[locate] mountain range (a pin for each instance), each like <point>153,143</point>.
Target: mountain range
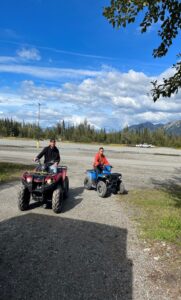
<point>173,128</point>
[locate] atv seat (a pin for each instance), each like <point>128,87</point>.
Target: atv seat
<point>60,168</point>
<point>116,174</point>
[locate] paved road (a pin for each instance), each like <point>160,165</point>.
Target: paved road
<point>91,250</point>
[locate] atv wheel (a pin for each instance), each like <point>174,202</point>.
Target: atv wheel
<point>101,189</point>
<point>66,187</point>
<point>57,200</point>
<point>87,183</point>
<point>121,188</point>
<point>23,198</point>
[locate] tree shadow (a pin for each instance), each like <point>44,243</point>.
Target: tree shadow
<point>171,186</point>
<point>60,258</point>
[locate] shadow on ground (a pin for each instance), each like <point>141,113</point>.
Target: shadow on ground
<point>73,199</point>
<point>171,186</point>
<point>60,258</point>
<point>8,185</point>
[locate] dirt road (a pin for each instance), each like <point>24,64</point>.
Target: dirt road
<point>89,251</point>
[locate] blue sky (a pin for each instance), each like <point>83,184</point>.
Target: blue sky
<point>66,56</point>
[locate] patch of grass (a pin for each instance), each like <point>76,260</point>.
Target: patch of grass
<point>157,213</point>
<point>11,171</point>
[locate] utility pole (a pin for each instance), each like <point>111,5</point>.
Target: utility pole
<point>39,115</point>
<point>38,135</point>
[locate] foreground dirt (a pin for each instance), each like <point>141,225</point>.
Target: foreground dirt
<point>91,250</point>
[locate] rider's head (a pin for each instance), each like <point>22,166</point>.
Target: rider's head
<point>101,150</point>
<point>52,143</point>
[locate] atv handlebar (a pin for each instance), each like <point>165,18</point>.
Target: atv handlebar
<point>38,161</point>
<point>107,167</point>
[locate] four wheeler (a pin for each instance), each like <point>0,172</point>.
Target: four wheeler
<point>105,182</point>
<point>44,186</point>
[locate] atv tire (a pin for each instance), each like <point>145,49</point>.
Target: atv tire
<point>23,198</point>
<point>66,188</point>
<point>121,188</point>
<point>101,189</point>
<point>87,183</point>
<point>57,200</point>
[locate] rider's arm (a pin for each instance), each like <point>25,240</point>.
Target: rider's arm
<point>56,162</point>
<point>106,161</point>
<point>96,160</point>
<point>41,153</point>
<point>58,157</point>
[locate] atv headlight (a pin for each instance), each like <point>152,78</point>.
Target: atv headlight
<point>49,181</point>
<point>28,179</point>
<point>120,177</point>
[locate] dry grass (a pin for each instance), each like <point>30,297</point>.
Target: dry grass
<point>12,171</point>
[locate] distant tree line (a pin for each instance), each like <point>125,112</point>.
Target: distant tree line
<point>86,133</point>
<point>11,128</point>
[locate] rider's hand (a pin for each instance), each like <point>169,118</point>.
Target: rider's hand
<point>35,159</point>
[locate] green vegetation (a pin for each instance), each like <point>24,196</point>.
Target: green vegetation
<point>11,128</point>
<point>158,213</point>
<point>11,171</point>
<point>167,15</point>
<point>84,133</point>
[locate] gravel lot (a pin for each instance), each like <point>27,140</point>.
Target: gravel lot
<point>91,250</point>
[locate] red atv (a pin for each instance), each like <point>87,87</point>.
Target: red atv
<point>44,187</point>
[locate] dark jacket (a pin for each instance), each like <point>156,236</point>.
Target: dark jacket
<point>50,154</point>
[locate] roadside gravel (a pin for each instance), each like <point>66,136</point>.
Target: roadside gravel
<point>89,251</point>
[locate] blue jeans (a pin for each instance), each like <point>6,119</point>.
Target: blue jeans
<point>98,170</point>
<point>52,169</point>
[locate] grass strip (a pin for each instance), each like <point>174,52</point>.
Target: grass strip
<point>158,213</point>
<point>12,171</point>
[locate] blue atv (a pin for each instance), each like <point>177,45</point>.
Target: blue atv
<point>105,182</point>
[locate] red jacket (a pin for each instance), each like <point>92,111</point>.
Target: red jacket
<point>100,160</point>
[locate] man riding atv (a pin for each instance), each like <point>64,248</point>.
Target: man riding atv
<point>102,179</point>
<point>100,161</point>
<point>51,156</point>
<point>48,185</point>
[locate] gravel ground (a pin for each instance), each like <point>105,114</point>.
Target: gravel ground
<point>91,250</point>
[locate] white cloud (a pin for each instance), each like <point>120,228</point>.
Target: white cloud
<point>22,56</point>
<point>75,53</point>
<point>29,54</point>
<point>125,101</point>
<point>9,33</point>
<point>106,98</point>
<point>7,59</point>
<point>47,73</point>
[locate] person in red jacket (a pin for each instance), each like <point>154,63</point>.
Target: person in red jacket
<point>100,161</point>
